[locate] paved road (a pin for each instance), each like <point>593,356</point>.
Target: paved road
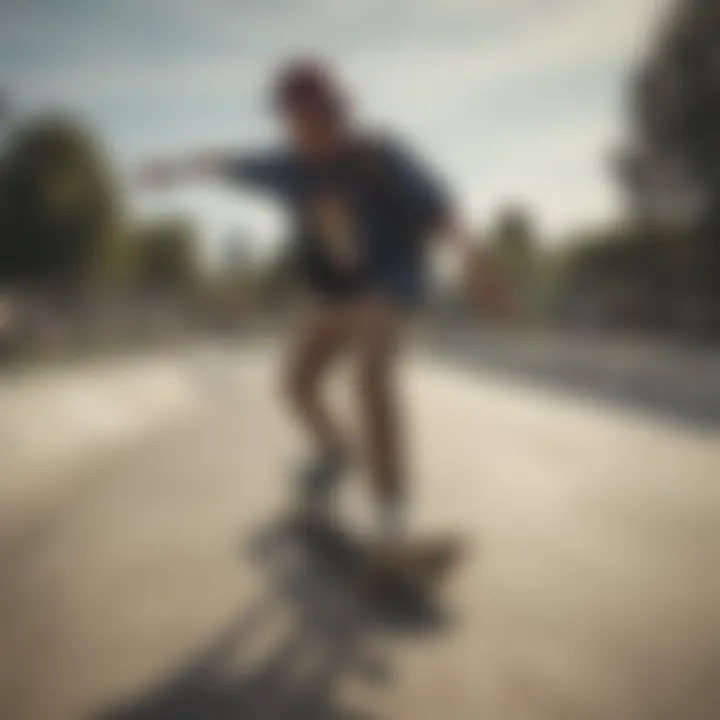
<point>655,374</point>
<point>155,585</point>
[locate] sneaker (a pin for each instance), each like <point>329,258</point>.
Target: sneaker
<point>417,564</point>
<point>317,483</point>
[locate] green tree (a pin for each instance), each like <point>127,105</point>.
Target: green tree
<point>672,168</point>
<point>165,255</point>
<point>57,204</point>
<point>514,250</point>
<point>514,230</point>
<point>626,274</point>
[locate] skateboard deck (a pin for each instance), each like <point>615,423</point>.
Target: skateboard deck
<point>417,566</point>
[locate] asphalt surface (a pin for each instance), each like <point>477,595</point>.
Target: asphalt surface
<point>157,584</point>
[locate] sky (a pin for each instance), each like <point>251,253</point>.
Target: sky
<point>511,100</point>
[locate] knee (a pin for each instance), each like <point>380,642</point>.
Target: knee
<point>297,387</point>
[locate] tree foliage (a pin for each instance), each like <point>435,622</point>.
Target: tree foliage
<point>164,255</point>
<point>677,104</point>
<point>673,168</point>
<point>514,231</point>
<point>57,206</point>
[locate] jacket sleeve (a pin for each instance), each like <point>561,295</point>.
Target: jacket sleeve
<point>264,171</point>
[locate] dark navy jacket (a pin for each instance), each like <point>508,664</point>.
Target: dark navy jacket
<point>393,205</point>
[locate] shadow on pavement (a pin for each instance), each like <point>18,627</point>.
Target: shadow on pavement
<point>331,637</point>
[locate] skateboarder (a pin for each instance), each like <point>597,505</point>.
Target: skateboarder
<point>364,210</point>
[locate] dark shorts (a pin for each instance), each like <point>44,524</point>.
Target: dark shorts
<point>400,279</point>
<point>402,286</point>
<point>328,282</point>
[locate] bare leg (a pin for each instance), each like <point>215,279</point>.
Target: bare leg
<point>393,558</point>
<point>378,325</point>
<point>321,340</point>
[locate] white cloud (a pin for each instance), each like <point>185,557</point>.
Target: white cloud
<point>426,71</point>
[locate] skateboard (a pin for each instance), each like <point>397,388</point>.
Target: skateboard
<point>417,566</point>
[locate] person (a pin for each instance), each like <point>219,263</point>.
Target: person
<point>364,210</point>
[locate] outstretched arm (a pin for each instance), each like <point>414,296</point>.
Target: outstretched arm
<point>267,170</point>
<point>162,172</point>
